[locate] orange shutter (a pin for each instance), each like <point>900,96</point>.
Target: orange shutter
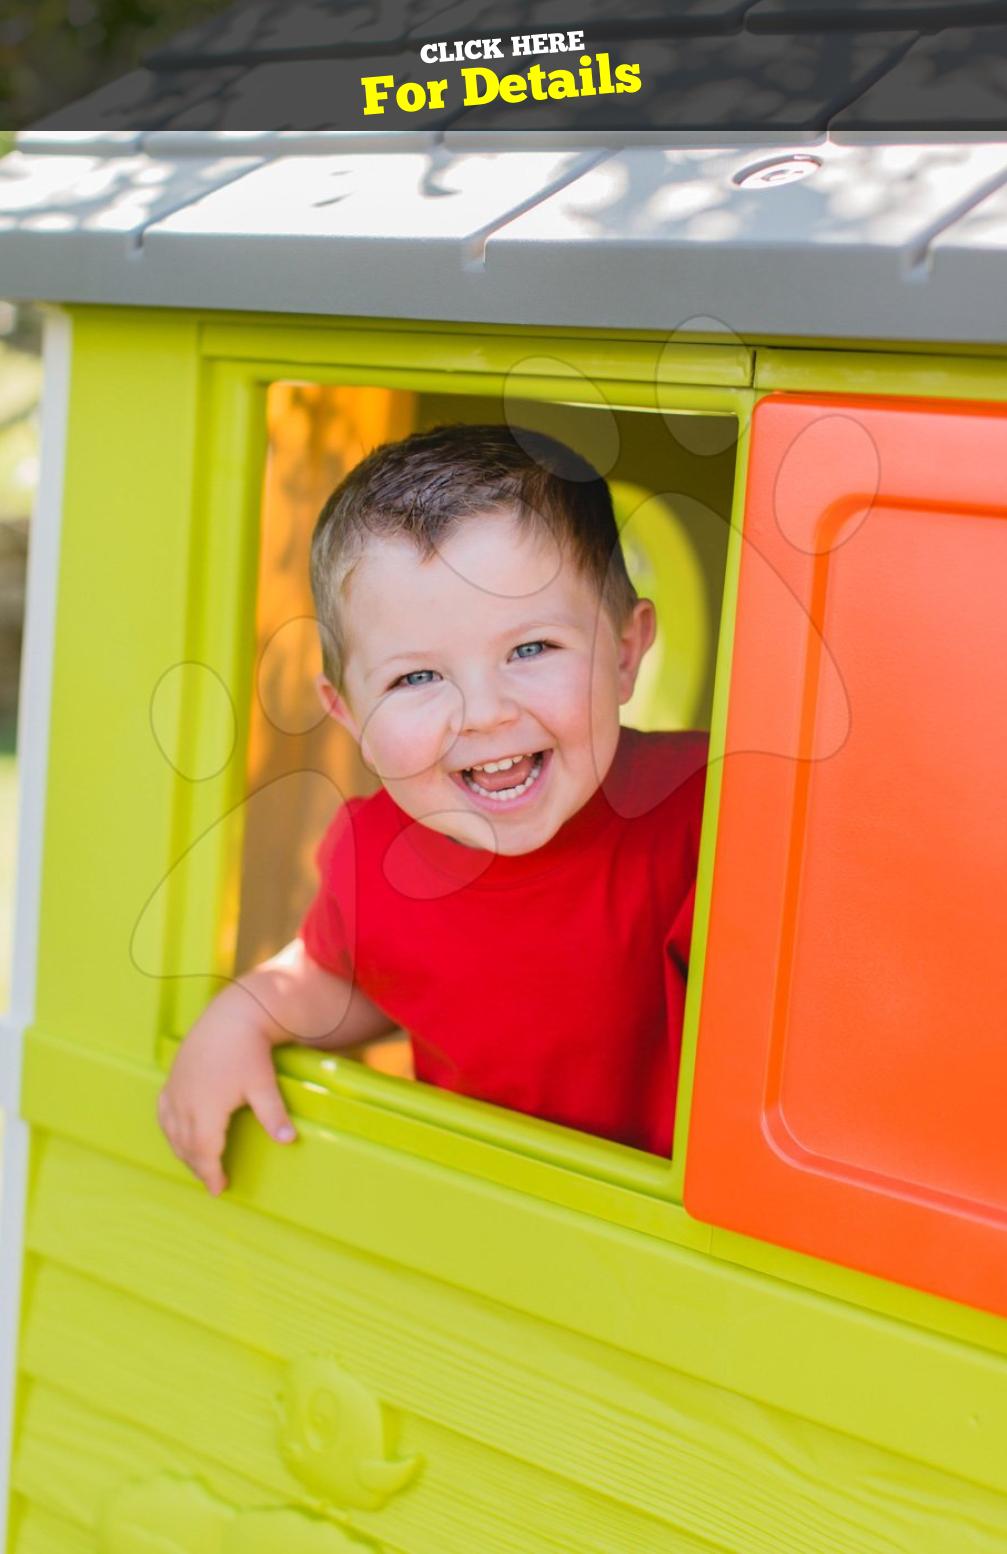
<point>851,1085</point>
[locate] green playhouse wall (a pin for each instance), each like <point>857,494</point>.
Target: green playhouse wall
<point>429,1327</point>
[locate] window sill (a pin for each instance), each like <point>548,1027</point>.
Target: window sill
<point>593,1176</point>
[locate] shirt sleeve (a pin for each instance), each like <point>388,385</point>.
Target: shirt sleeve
<point>328,929</point>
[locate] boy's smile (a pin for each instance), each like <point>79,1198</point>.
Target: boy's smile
<point>483,684</point>
<point>506,780</point>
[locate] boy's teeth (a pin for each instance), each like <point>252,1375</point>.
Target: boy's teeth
<point>503,793</point>
<point>498,766</point>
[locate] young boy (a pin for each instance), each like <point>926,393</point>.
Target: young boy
<point>518,894</point>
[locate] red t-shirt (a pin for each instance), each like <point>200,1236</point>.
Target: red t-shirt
<point>551,982</point>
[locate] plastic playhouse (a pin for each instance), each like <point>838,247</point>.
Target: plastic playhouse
<point>431,1326</point>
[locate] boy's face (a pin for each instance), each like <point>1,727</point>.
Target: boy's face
<point>496,649</point>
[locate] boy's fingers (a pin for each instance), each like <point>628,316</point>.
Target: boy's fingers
<point>166,1119</point>
<point>214,1179</point>
<point>267,1104</point>
<point>209,1170</point>
<point>203,1154</point>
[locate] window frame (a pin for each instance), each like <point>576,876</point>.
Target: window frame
<point>238,363</point>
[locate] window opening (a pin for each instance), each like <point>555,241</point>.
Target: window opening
<point>671,479</point>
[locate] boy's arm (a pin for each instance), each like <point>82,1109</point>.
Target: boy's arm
<point>226,1060</point>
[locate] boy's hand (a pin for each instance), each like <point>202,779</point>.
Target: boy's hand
<point>226,1060</point>
<point>222,1065</point>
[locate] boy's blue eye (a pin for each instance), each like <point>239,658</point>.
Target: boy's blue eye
<point>530,649</point>
<point>418,677</point>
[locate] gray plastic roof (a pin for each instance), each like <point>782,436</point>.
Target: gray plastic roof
<point>897,241</point>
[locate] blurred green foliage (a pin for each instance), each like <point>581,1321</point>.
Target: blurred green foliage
<point>54,51</point>
<point>8,836</point>
<point>20,382</point>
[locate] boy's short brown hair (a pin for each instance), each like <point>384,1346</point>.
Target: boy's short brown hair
<point>422,486</point>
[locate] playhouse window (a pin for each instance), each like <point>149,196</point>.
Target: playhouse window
<point>671,479</point>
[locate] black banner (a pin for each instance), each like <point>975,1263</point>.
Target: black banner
<point>783,66</point>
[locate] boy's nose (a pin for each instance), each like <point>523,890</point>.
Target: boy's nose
<point>486,705</point>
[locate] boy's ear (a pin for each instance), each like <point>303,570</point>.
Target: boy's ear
<point>336,705</point>
<point>636,637</point>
